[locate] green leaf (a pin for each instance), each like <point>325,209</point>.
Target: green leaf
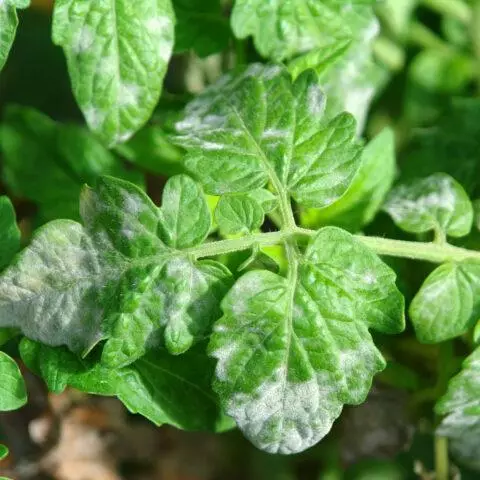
<point>3,451</point>
<point>117,54</point>
<point>238,214</point>
<point>200,27</point>
<point>8,26</point>
<point>9,232</point>
<point>461,407</point>
<point>448,304</point>
<point>366,194</point>
<point>451,146</point>
<point>159,386</point>
<point>397,15</point>
<point>291,352</point>
<point>266,199</point>
<point>281,29</point>
<point>114,279</point>
<point>184,217</point>
<point>150,149</point>
<point>13,393</point>
<point>256,127</point>
<point>437,203</point>
<point>67,156</point>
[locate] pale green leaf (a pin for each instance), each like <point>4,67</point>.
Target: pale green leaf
<point>9,232</point>
<point>117,54</point>
<point>437,203</point>
<point>185,218</point>
<point>291,352</point>
<point>238,214</point>
<point>461,408</point>
<point>67,156</point>
<point>13,393</point>
<point>256,127</point>
<point>265,198</point>
<point>448,304</point>
<point>366,194</point>
<point>113,279</point>
<point>159,386</point>
<point>201,27</point>
<point>282,29</point>
<point>8,26</point>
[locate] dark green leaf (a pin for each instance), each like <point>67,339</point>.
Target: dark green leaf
<point>201,26</point>
<point>9,232</point>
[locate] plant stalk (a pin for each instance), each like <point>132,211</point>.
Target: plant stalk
<point>450,8</point>
<point>429,252</point>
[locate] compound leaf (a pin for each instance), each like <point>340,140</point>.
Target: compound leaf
<point>256,127</point>
<point>9,232</point>
<point>8,26</point>
<point>117,54</point>
<point>159,386</point>
<point>461,407</point>
<point>291,352</point>
<point>13,393</point>
<point>437,203</point>
<point>236,214</point>
<point>448,304</point>
<point>113,279</point>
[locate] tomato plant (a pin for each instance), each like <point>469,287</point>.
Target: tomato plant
<point>246,239</point>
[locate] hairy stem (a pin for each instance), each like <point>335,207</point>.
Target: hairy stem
<point>429,252</point>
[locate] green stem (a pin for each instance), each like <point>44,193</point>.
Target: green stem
<point>389,53</point>
<point>422,36</point>
<point>451,8</point>
<point>441,458</point>
<point>429,252</point>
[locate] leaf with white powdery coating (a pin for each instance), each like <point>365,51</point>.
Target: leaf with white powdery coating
<point>448,304</point>
<point>256,127</point>
<point>8,25</point>
<point>114,279</point>
<point>117,54</point>
<point>437,202</point>
<point>13,393</point>
<point>291,352</point>
<point>282,29</point>
<point>461,408</point>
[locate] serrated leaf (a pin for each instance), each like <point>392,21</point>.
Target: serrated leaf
<point>238,214</point>
<point>291,352</point>
<point>13,393</point>
<point>437,203</point>
<point>266,199</point>
<point>117,54</point>
<point>257,127</point>
<point>8,26</point>
<point>159,386</point>
<point>9,232</point>
<point>461,407</point>
<point>366,194</point>
<point>283,29</point>
<point>448,303</point>
<point>113,279</point>
<point>67,156</point>
<point>200,27</point>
